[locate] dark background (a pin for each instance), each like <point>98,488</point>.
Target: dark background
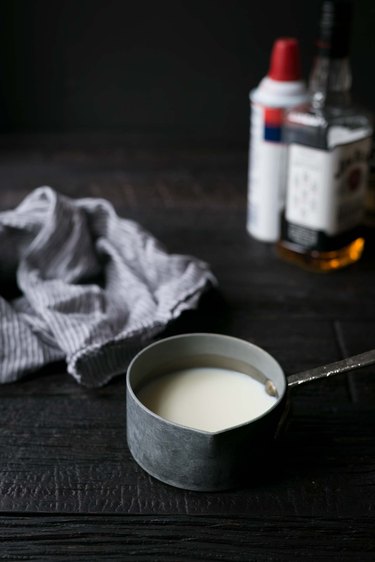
<point>181,67</point>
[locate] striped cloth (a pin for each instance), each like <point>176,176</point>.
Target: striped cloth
<point>94,288</point>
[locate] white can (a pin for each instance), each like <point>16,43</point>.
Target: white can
<point>279,91</point>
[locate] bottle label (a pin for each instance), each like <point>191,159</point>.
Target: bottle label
<point>325,194</point>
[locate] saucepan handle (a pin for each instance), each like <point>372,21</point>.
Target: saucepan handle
<point>337,368</point>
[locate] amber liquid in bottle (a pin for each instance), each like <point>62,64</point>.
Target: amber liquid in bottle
<point>329,148</point>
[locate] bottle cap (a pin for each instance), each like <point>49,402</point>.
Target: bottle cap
<point>334,28</point>
<point>285,63</point>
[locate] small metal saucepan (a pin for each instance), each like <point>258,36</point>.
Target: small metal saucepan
<point>211,461</point>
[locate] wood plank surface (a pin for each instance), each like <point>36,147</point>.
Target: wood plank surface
<point>185,538</point>
<point>69,489</point>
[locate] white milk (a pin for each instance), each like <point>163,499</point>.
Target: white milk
<point>206,398</point>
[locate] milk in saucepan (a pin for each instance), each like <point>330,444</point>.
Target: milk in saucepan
<point>206,398</point>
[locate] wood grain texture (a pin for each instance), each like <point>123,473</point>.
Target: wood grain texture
<point>67,453</point>
<point>184,538</point>
<point>69,489</point>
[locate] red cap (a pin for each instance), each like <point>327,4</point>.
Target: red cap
<point>285,61</point>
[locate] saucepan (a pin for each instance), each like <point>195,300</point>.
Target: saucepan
<point>201,459</point>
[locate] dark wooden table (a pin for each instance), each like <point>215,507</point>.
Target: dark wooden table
<point>69,489</point>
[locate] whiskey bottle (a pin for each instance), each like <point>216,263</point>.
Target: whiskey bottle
<point>329,143</point>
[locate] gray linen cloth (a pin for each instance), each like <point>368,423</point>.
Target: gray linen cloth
<point>95,287</point>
